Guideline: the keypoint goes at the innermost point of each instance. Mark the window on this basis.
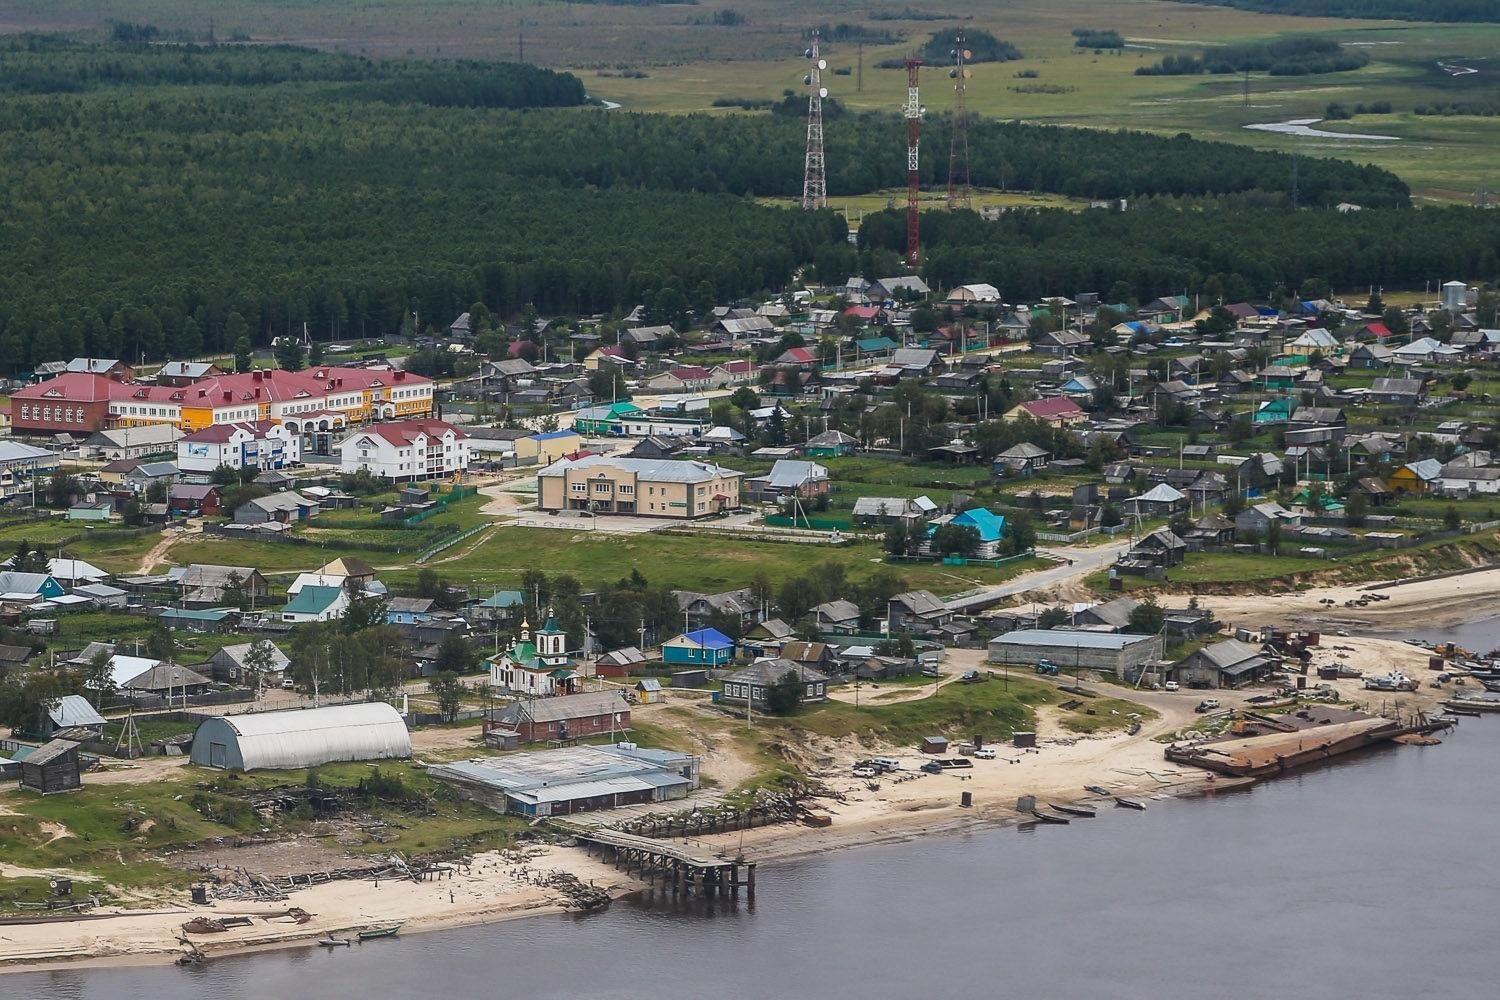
(627, 489)
(602, 487)
(25, 411)
(580, 488)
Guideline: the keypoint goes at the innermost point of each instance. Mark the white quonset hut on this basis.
(302, 738)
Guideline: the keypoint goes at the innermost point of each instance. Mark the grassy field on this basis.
(670, 58)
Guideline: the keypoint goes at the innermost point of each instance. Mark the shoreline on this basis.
(146, 938)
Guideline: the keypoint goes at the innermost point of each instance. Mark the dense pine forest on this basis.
(1241, 247)
(170, 192)
(1398, 10)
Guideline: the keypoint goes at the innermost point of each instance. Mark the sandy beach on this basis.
(896, 807)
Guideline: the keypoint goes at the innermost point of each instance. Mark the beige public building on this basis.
(637, 486)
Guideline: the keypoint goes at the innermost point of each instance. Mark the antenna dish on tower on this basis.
(822, 64)
(822, 91)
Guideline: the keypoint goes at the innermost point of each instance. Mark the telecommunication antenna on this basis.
(814, 181)
(913, 114)
(959, 189)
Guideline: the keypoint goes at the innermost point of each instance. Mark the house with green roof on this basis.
(606, 420)
(536, 666)
(315, 604)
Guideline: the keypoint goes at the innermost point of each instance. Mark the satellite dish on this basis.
(807, 79)
(968, 73)
(953, 53)
(953, 74)
(822, 91)
(822, 64)
(968, 54)
(808, 53)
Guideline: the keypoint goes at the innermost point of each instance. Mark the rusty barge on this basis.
(1262, 746)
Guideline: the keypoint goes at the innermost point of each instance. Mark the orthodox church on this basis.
(538, 666)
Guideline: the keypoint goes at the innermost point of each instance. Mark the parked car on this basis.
(985, 753)
(888, 763)
(1207, 705)
(866, 772)
(1171, 685)
(932, 767)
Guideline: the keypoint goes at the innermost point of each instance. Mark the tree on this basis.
(1020, 533)
(30, 560)
(233, 592)
(450, 694)
(1451, 518)
(60, 490)
(259, 659)
(135, 514)
(156, 491)
(159, 645)
(744, 398)
(1273, 538)
(1110, 517)
(1148, 617)
(289, 354)
(456, 655)
(365, 610)
(315, 353)
(237, 332)
(956, 539)
(776, 428)
(797, 597)
(1052, 618)
(783, 697)
(100, 678)
(898, 539)
(225, 475)
(1356, 507)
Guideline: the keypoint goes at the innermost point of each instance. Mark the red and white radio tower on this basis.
(958, 152)
(913, 114)
(814, 182)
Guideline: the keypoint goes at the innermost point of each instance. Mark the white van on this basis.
(889, 763)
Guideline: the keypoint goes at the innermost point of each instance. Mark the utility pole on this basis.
(859, 73)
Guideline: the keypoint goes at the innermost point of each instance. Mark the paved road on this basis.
(1082, 562)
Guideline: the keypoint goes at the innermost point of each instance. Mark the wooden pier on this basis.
(679, 869)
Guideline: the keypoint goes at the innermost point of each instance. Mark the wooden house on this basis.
(52, 767)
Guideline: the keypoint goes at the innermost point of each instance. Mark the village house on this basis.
(1226, 664)
(315, 604)
(234, 663)
(754, 683)
(204, 585)
(739, 605)
(1022, 459)
(704, 647)
(1119, 653)
(789, 478)
(564, 718)
(1256, 520)
(1054, 411)
(917, 611)
(288, 507)
(190, 500)
(1416, 478)
(836, 616)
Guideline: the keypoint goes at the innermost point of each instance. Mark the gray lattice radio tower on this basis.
(959, 189)
(814, 180)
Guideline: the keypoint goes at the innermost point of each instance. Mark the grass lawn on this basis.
(993, 710)
(1099, 715)
(684, 561)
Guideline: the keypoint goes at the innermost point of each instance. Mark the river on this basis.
(1371, 878)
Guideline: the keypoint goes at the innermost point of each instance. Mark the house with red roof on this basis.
(682, 379)
(1055, 411)
(405, 450)
(802, 357)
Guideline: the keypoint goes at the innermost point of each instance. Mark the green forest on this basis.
(1295, 56)
(147, 215)
(1241, 247)
(39, 64)
(1398, 10)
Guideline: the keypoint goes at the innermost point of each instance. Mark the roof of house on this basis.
(789, 474)
(837, 610)
(73, 710)
(163, 677)
(708, 638)
(1064, 639)
(286, 500)
(921, 602)
(991, 526)
(1161, 493)
(48, 752)
(407, 432)
(222, 433)
(1024, 450)
(1052, 407)
(1116, 612)
(240, 651)
(773, 669)
(313, 600)
(567, 706)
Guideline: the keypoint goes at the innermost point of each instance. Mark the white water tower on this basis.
(1455, 296)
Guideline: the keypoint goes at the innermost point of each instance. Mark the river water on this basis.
(1372, 878)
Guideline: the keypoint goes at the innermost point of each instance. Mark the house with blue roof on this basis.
(989, 525)
(703, 647)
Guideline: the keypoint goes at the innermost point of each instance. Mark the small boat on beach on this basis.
(1096, 789)
(1473, 704)
(334, 942)
(1049, 817)
(1123, 802)
(379, 932)
(1083, 811)
(1463, 712)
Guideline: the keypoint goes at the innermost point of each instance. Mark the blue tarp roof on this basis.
(991, 526)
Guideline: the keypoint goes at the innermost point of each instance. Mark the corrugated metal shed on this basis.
(302, 737)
